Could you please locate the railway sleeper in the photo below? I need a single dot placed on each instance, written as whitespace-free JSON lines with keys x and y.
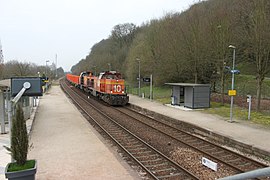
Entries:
{"x":182,"y":136}
{"x":130,"y":145}
{"x":127,"y":137}
{"x":118,"y":134}
{"x":245,"y":164}
{"x":156,"y":165}
{"x":134,"y":146}
{"x":210,"y":149}
{"x":237,"y":160}
{"x":192,"y":141}
{"x":129,"y":142}
{"x":168,"y":170}
{"x":218,"y":152}
{"x":143,"y":152}
{"x":171,"y":175}
{"x":204,"y":146}
{"x":226,"y":157}
{"x":138,"y":150}
{"x":134,"y":149}
{"x":197,"y":144}
{"x":149,"y":161}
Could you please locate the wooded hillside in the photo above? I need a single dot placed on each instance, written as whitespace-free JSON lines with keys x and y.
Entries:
{"x":190,"y":46}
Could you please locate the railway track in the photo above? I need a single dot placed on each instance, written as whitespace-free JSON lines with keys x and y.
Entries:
{"x":155,"y":164}
{"x":230,"y":158}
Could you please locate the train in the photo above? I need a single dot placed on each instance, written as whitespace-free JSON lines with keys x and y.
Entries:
{"x":109,"y":86}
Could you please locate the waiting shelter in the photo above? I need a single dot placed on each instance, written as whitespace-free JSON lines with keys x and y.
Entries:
{"x":4,"y":90}
{"x":5,"y":96}
{"x":189,"y":95}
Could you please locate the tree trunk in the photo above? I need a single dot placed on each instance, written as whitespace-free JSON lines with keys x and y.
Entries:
{"x":259,"y":92}
{"x":195,"y":77}
{"x":222,"y":87}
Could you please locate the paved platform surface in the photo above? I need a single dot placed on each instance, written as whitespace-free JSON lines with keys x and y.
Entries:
{"x":66,"y":146}
{"x":245,"y":132}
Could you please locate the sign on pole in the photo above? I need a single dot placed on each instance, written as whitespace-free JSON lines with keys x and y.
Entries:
{"x":17,"y":84}
{"x":232,"y":93}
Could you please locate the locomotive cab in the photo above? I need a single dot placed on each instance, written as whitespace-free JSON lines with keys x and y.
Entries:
{"x":112,"y":87}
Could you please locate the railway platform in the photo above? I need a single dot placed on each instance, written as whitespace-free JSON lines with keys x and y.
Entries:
{"x":246,"y":134}
{"x":66,"y":146}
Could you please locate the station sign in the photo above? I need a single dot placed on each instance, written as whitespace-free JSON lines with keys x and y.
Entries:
{"x":232,"y":93}
{"x":146,"y":79}
{"x":35,"y":89}
{"x":210,"y":164}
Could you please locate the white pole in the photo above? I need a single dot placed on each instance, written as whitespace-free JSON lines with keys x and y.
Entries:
{"x":151,"y":87}
{"x":249,"y":106}
{"x":46,"y":84}
{"x":10,"y":111}
{"x":55,"y":66}
{"x":231,"y":110}
{"x":139,"y":76}
{"x":2,"y":112}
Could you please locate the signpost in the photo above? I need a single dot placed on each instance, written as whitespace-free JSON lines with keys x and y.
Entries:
{"x":149,"y":80}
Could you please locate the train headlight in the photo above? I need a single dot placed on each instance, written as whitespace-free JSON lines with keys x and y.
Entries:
{"x":123,"y":92}
{"x":111,"y":92}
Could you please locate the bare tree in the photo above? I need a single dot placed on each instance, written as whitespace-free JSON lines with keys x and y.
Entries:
{"x":193,"y":33}
{"x":258,"y":29}
{"x":16,"y":68}
{"x":221,"y":35}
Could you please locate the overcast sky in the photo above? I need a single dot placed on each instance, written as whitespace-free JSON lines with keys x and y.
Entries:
{"x":37,"y":30}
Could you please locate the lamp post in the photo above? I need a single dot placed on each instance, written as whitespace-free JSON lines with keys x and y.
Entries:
{"x":95,"y":67}
{"x":139,"y":61}
{"x":55,"y":66}
{"x":46,"y":84}
{"x":46,"y":67}
{"x":231,"y":110}
{"x":109,"y":64}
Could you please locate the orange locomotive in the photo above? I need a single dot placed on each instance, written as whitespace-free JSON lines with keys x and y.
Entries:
{"x":108,"y":86}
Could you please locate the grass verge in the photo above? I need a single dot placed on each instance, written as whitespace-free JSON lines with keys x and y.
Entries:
{"x":261,"y":118}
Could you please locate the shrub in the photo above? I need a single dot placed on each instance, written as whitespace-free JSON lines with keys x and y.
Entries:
{"x":19,"y":138}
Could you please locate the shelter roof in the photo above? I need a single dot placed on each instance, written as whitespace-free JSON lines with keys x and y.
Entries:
{"x":188,"y":84}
